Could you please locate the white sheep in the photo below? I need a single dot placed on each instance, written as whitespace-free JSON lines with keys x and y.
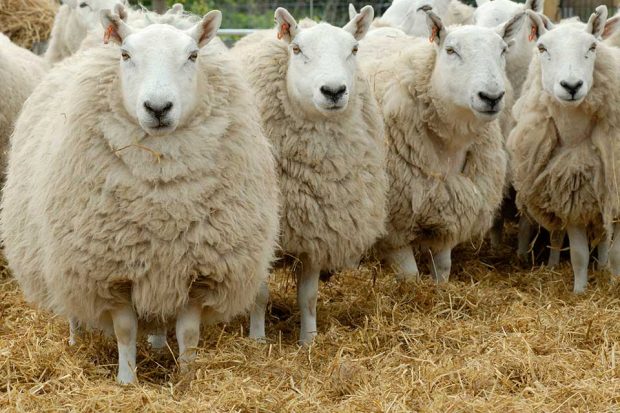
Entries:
{"x":566,"y":144}
{"x":20,"y":71}
{"x":611,"y":34}
{"x":318,"y":111}
{"x":446,"y":162}
{"x":140,"y":187}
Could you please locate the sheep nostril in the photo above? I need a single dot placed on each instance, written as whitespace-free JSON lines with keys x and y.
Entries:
{"x":333,"y":94}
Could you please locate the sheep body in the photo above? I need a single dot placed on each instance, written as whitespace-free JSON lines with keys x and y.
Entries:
{"x":331,"y":172}
{"x":93,"y":217}
{"x":20,"y":72}
{"x":429,"y":207}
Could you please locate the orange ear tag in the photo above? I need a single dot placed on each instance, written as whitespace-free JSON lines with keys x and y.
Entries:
{"x":284,"y":28}
{"x":533,"y":33}
{"x":433,"y":35}
{"x":107,"y":34}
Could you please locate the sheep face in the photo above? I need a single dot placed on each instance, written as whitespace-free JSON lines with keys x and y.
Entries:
{"x":322,"y":62}
{"x":159,"y":69}
{"x":469,"y":72}
{"x":88,"y":10}
{"x":567,"y":53}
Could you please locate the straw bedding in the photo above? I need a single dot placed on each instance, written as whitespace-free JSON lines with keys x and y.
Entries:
{"x":498,"y":338}
{"x":27,"y":21}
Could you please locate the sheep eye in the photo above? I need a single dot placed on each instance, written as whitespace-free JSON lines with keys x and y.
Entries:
{"x":296,"y":49}
{"x":84,"y":4}
{"x":355,"y":49}
{"x":125,"y":56}
{"x":541,"y":48}
{"x":593,"y":47}
{"x":450,"y":50}
{"x":193,"y":56}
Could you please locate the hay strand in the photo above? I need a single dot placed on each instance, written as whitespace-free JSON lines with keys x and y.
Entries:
{"x":27,"y":22}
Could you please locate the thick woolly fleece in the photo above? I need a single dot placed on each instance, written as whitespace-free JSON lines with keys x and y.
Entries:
{"x":559,"y":185}
{"x":67,"y":35}
{"x":96,"y":213}
{"x":20,"y":71}
{"x":331,"y":170}
{"x":427,"y":206}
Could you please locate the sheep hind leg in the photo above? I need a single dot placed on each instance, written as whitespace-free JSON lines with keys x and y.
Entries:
{"x":557,"y":239}
{"x":125,"y":324}
{"x":157,"y":339}
{"x":579,"y":256}
{"x":524,"y":237}
{"x":188,"y":334}
{"x":257,"y":315}
{"x":402,"y":261}
{"x":496,"y":234}
{"x":307,"y":292}
{"x":441,"y":264}
{"x":614,"y":251}
{"x":602,"y":252}
{"x":74,"y":330}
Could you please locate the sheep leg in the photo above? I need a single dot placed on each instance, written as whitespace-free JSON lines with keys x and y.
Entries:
{"x":403,"y":263}
{"x":614,"y":251}
{"x":497,"y":232}
{"x":157,"y":339}
{"x":525,"y":236}
{"x":441,"y":264}
{"x":125,"y":324}
{"x":602,"y":252}
{"x":188,"y":334}
{"x":307,"y":292}
{"x":557,"y":239}
{"x":74,"y":330}
{"x":579,"y":256}
{"x":257,"y":315}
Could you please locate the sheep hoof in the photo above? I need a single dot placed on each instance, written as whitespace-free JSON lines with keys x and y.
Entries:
{"x":306,"y":338}
{"x":407,"y":276}
{"x":157,"y":342}
{"x":125,"y":377}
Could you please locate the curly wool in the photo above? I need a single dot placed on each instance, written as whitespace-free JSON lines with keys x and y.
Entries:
{"x":427,"y":206}
{"x":91,"y":218}
{"x":20,"y":71}
{"x":331,"y":171}
{"x":579,"y":184}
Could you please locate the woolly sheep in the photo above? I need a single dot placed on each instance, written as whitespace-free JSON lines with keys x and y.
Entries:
{"x":612,"y":31}
{"x":318,"y":111}
{"x":446,"y":162}
{"x":141,"y":189}
{"x":20,"y":71}
{"x":565,"y":146}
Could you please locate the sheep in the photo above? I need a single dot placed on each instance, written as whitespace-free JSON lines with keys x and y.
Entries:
{"x":446,"y":162}
{"x":564,"y":147}
{"x":20,"y":71}
{"x":409,"y":16}
{"x":141,"y":188}
{"x":611,"y":34}
{"x":327,"y":135}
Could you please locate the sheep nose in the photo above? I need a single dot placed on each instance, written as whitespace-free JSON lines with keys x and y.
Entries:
{"x":158,"y":111}
{"x":333,"y":93}
{"x":491,"y":99}
{"x":571,"y":88}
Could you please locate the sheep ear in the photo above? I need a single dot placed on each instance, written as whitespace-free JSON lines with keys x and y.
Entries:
{"x":538,"y":27}
{"x":359,"y":25}
{"x":435,"y":28}
{"x":507,"y":30}
{"x":177,"y":8}
{"x":286,"y":25}
{"x":119,"y":9}
{"x":611,"y":26}
{"x":115,"y":29}
{"x":596,"y":24}
{"x":206,"y":29}
{"x":352,"y":11}
{"x":481,"y":2}
{"x":536,"y":5}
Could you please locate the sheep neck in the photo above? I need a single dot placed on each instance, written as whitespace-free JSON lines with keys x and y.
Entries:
{"x":573,"y":124}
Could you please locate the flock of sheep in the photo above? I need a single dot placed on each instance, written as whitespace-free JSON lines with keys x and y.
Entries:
{"x":153,"y":175}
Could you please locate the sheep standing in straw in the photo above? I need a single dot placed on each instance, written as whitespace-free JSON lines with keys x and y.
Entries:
{"x":566,"y":144}
{"x":446,"y":162}
{"x":327,"y":134}
{"x":140,"y":187}
{"x":20,"y":72}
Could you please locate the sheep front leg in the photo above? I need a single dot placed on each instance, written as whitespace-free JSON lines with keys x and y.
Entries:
{"x":157,"y":339}
{"x":307,"y":292}
{"x":497,"y":232}
{"x":257,"y":315}
{"x":602,"y":252}
{"x":188,"y":334}
{"x":614,"y":251}
{"x":441,"y":264}
{"x":579,"y":256}
{"x":557,"y":239}
{"x":125,"y":324}
{"x":525,"y":236}
{"x":74,"y":330}
{"x":403,"y":263}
